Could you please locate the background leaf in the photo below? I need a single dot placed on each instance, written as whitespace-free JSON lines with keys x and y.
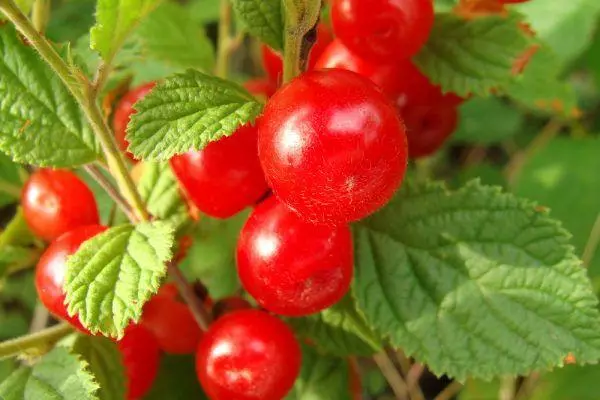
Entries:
{"x":263,"y":19}
{"x":487,"y":120}
{"x":176,"y":380}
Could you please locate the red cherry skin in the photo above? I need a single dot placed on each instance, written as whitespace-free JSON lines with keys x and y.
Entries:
{"x":51,"y":269}
{"x":141,"y":357}
{"x":248,"y":355}
{"x":171,"y":322}
{"x":383,"y":29}
{"x":274,"y":65}
{"x":57,"y":201}
{"x":290,"y":266}
{"x":337,"y":55}
{"x":123,"y":113}
{"x":332,"y":146}
{"x":261,"y":87}
{"x":428,"y":127}
{"x":225,"y":177}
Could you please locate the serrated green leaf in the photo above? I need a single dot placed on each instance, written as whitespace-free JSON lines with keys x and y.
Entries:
{"x":160,"y":191}
{"x":474,"y":56}
{"x":176,"y":380}
{"x":540,"y":86}
{"x":474,"y":282}
{"x":40,"y":122}
{"x":321,"y":378}
{"x":105,"y":363}
{"x":185,"y":113}
{"x":263,"y":19}
{"x":113,"y":274}
{"x":13,"y":387}
{"x":61,"y":375}
{"x":563,"y":176}
{"x":181,"y":42}
{"x":340,"y":330}
{"x":114,"y":21}
{"x":486,"y":121}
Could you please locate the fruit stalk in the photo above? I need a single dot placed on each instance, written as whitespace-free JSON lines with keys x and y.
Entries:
{"x":301,"y":16}
{"x":40,"y":340}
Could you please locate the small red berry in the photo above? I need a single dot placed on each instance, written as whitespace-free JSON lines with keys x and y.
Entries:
{"x":248,"y":355}
{"x":141,"y":358}
{"x":261,"y":87}
{"x":225,"y":177}
{"x":428,"y":127}
{"x":57,"y":201}
{"x":292,"y":267}
{"x":228,"y":305}
{"x":123,"y":112}
{"x":51,"y":269}
{"x":383,"y":29}
{"x":171,"y":322}
{"x":274,"y":65}
{"x":332,"y":146}
{"x":386,"y":76}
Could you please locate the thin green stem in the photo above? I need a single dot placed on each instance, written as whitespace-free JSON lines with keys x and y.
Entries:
{"x":225,"y":41}
{"x":39,"y":340}
{"x":10,"y":189}
{"x":40,"y":15}
{"x":291,"y":56}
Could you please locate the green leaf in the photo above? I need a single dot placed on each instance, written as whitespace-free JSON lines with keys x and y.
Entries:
{"x":159,"y":189}
{"x":204,"y":11}
{"x":13,"y":387}
{"x":340,"y":330}
{"x":570,"y":382}
{"x":113,"y":274}
{"x":40,"y":122}
{"x":114,"y":21}
{"x":563,"y":177}
{"x":16,"y":232}
{"x":187,"y":112}
{"x":176,"y":380}
{"x":474,"y":282}
{"x":181,"y":41}
{"x":321,"y":378}
{"x":486,"y":121}
{"x":263,"y":19}
{"x":105,"y":363}
{"x":541,"y":88}
{"x":471,"y":57}
{"x":487,"y":173}
{"x":60,"y":375}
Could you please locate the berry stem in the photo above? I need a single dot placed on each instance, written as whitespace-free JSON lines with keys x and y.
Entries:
{"x":188,"y":295}
{"x":108,"y":187}
{"x":80,"y":88}
{"x":40,"y":14}
{"x":39,"y":340}
{"x":391,"y":374}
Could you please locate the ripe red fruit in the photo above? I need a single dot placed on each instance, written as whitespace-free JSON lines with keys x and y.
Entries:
{"x":428,"y":127}
{"x":332,"y":146}
{"x":171,"y":322}
{"x":141,"y":358}
{"x":51,"y":269}
{"x":274,"y":65}
{"x":224,"y":177}
{"x":248,"y":355}
{"x":383,"y":29}
{"x":57,"y":201}
{"x":292,"y":267}
{"x":228,"y":305}
{"x":261,"y":87}
{"x":385,"y":76}
{"x":123,"y":112}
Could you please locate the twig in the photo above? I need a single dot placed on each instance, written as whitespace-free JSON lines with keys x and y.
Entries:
{"x":40,"y":318}
{"x":10,"y":189}
{"x":592,"y":243}
{"x":188,"y":295}
{"x":412,"y":381}
{"x":114,"y":194}
{"x":391,"y":374}
{"x":39,"y":339}
{"x":224,"y":45}
{"x":507,"y":388}
{"x":450,"y":391}
{"x":527,"y":386}
{"x":403,"y":361}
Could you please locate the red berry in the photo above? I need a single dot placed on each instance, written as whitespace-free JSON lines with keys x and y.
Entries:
{"x":248,"y":355}
{"x":386,"y":76}
{"x":228,"y":305}
{"x":428,"y":127}
{"x":274,"y":65}
{"x":332,"y":146}
{"x":383,"y":29}
{"x":292,"y":267}
{"x":51,"y":269}
{"x":171,"y":322}
{"x":141,"y":358}
{"x":123,"y":113}
{"x":225,"y":177}
{"x":261,"y":87}
{"x":57,"y":201}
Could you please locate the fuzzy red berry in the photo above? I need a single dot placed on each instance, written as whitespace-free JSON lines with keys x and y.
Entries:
{"x":248,"y":355}
{"x":171,"y":322}
{"x":292,"y":267}
{"x":123,"y":113}
{"x":57,"y":201}
{"x":51,"y":269}
{"x":332,"y":146}
{"x":141,"y":357}
{"x":428,"y":127}
{"x":383,"y":29}
{"x":225,"y":177}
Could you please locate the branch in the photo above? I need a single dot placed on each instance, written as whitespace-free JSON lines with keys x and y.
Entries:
{"x":114,"y":194}
{"x":450,"y":391}
{"x":224,"y":45}
{"x":187,"y":293}
{"x":37,"y":340}
{"x":388,"y":369}
{"x":301,"y":18}
{"x":40,"y":14}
